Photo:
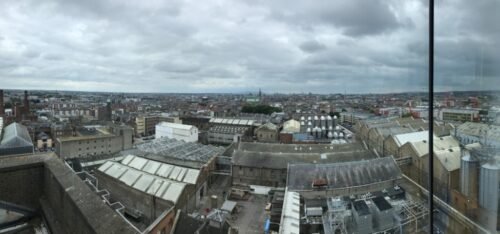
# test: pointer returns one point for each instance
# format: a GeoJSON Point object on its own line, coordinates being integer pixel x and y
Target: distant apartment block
{"type": "Point", "coordinates": [145, 125]}
{"type": "Point", "coordinates": [177, 131]}
{"type": "Point", "coordinates": [459, 115]}
{"type": "Point", "coordinates": [94, 140]}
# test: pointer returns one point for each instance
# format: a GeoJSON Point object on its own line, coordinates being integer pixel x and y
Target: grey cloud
{"type": "Point", "coordinates": [354, 17]}
{"type": "Point", "coordinates": [360, 46]}
{"type": "Point", "coordinates": [312, 46]}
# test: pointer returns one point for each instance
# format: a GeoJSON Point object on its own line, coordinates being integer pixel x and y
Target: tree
{"type": "Point", "coordinates": [260, 109]}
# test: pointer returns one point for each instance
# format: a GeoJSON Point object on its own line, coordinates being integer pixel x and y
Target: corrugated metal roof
{"type": "Point", "coordinates": [290, 216]}
{"type": "Point", "coordinates": [144, 181]}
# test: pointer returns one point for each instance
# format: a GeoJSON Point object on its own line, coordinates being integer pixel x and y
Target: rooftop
{"type": "Point", "coordinates": [402, 139]}
{"type": "Point", "coordinates": [449, 158]}
{"type": "Point", "coordinates": [297, 148]}
{"type": "Point", "coordinates": [290, 217]}
{"type": "Point", "coordinates": [244, 122]}
{"type": "Point", "coordinates": [281, 160]}
{"type": "Point", "coordinates": [159, 179]}
{"type": "Point", "coordinates": [176, 125]}
{"type": "Point", "coordinates": [15, 135]}
{"type": "Point", "coordinates": [177, 149]}
{"type": "Point", "coordinates": [344, 174]}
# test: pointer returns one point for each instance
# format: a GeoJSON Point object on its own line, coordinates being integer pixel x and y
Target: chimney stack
{"type": "Point", "coordinates": [2, 110]}
{"type": "Point", "coordinates": [26, 103]}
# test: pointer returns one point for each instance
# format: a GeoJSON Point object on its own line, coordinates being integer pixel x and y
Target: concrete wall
{"type": "Point", "coordinates": [44, 183]}
{"type": "Point", "coordinates": [89, 147]}
{"type": "Point", "coordinates": [16, 182]}
{"type": "Point", "coordinates": [266, 135]}
{"type": "Point", "coordinates": [259, 176]}
{"type": "Point", "coordinates": [81, 148]}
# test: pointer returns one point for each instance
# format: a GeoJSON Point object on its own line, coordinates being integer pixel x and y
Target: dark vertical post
{"type": "Point", "coordinates": [2, 111]}
{"type": "Point", "coordinates": [431, 115]}
{"type": "Point", "coordinates": [26, 103]}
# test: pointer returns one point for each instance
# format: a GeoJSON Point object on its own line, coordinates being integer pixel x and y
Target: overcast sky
{"type": "Point", "coordinates": [356, 46]}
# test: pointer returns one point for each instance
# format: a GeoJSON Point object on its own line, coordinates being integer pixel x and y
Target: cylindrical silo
{"type": "Point", "coordinates": [322, 120]}
{"type": "Point", "coordinates": [302, 118]}
{"type": "Point", "coordinates": [317, 132]}
{"type": "Point", "coordinates": [330, 135]}
{"type": "Point", "coordinates": [489, 185]}
{"type": "Point", "coordinates": [488, 194]}
{"type": "Point", "coordinates": [316, 121]}
{"type": "Point", "coordinates": [329, 121]}
{"type": "Point", "coordinates": [334, 122]}
{"type": "Point", "coordinates": [323, 131]}
{"type": "Point", "coordinates": [308, 130]}
{"type": "Point", "coordinates": [469, 172]}
{"type": "Point", "coordinates": [303, 126]}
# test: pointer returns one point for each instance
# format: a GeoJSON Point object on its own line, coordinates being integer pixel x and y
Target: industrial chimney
{"type": "Point", "coordinates": [2, 110]}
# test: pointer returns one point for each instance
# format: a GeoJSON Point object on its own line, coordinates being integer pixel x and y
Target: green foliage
{"type": "Point", "coordinates": [260, 109]}
{"type": "Point", "coordinates": [336, 113]}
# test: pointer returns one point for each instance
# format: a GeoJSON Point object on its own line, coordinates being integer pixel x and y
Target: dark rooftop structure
{"type": "Point", "coordinates": [361, 207]}
{"type": "Point", "coordinates": [381, 203]}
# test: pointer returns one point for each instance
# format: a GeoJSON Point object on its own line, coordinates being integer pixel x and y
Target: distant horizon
{"type": "Point", "coordinates": [240, 93]}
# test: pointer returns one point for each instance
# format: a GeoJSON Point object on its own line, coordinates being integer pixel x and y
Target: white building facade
{"type": "Point", "coordinates": [187, 133]}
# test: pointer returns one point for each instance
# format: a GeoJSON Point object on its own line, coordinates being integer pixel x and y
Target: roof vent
{"type": "Point", "coordinates": [319, 182]}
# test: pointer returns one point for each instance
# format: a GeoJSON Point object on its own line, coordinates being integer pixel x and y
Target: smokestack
{"type": "Point", "coordinates": [26, 103]}
{"type": "Point", "coordinates": [2, 110]}
{"type": "Point", "coordinates": [109, 111]}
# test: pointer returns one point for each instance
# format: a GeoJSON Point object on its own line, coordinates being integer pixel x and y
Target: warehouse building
{"type": "Point", "coordinates": [487, 135]}
{"type": "Point", "coordinates": [227, 131]}
{"type": "Point", "coordinates": [267, 164]}
{"type": "Point", "coordinates": [349, 197]}
{"type": "Point", "coordinates": [149, 186]}
{"type": "Point", "coordinates": [267, 133]}
{"type": "Point", "coordinates": [177, 131]}
{"type": "Point", "coordinates": [94, 140]}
